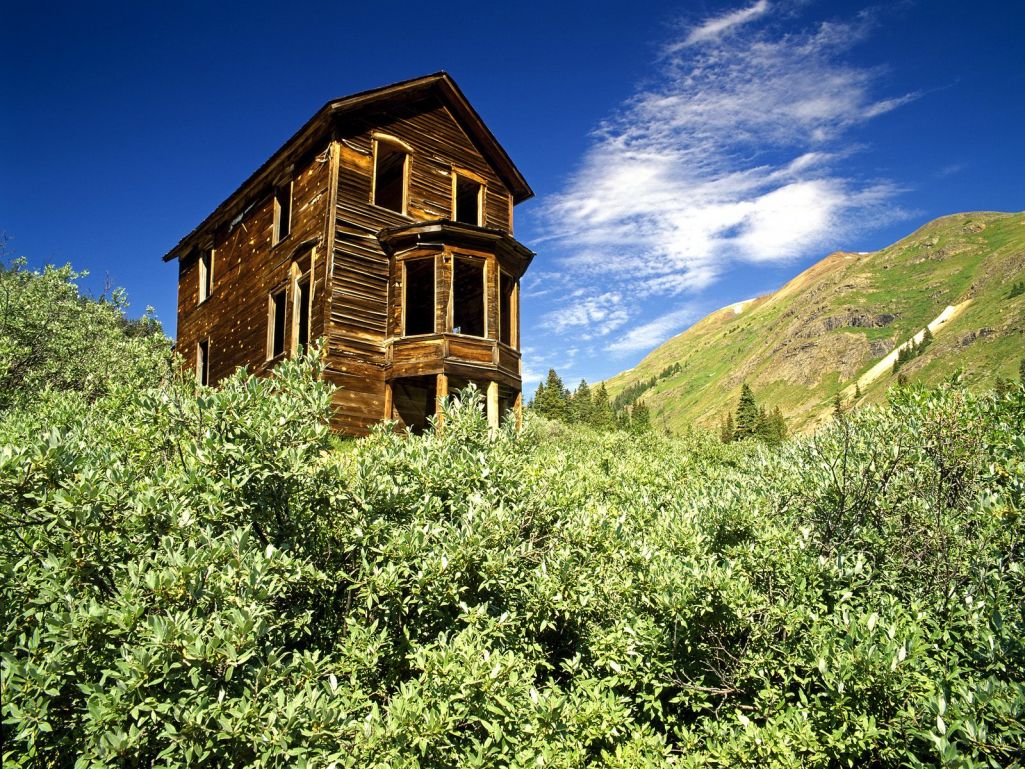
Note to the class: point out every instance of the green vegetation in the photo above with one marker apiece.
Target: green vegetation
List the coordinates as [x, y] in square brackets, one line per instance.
[53, 336]
[817, 335]
[197, 577]
[910, 351]
[587, 407]
[753, 421]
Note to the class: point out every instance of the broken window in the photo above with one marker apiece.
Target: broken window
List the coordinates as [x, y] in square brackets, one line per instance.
[301, 316]
[467, 200]
[282, 211]
[275, 324]
[419, 296]
[203, 362]
[206, 274]
[468, 296]
[390, 176]
[505, 308]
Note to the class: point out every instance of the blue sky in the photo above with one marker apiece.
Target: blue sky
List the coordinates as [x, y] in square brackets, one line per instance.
[685, 155]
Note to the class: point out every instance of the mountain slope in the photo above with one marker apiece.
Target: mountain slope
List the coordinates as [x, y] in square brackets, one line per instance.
[836, 323]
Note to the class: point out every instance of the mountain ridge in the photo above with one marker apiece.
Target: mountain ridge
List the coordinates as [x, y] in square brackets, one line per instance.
[831, 324]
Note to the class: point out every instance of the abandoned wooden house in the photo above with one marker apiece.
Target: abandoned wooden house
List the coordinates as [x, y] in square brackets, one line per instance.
[384, 227]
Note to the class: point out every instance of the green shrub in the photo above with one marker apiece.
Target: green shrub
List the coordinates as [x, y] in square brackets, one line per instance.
[197, 577]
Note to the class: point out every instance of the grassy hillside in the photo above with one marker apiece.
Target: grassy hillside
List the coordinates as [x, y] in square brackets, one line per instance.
[831, 324]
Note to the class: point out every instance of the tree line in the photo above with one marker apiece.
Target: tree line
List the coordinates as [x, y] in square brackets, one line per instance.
[587, 406]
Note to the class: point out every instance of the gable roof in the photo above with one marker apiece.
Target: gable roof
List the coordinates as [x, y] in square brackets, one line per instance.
[439, 83]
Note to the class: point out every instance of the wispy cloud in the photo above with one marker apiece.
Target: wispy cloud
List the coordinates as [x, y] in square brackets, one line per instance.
[715, 27]
[649, 334]
[734, 154]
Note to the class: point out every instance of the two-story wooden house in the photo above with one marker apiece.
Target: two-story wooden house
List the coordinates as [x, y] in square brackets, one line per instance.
[384, 226]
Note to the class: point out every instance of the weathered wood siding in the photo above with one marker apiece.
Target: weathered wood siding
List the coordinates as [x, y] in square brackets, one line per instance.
[246, 269]
[359, 322]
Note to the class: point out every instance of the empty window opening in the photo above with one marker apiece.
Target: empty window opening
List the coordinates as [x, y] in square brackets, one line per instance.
[468, 297]
[206, 274]
[203, 362]
[276, 324]
[282, 211]
[505, 308]
[390, 177]
[302, 313]
[419, 297]
[467, 200]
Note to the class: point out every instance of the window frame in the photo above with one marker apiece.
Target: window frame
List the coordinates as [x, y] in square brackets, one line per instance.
[451, 314]
[277, 235]
[434, 303]
[482, 184]
[281, 291]
[203, 362]
[377, 139]
[298, 278]
[514, 310]
[206, 273]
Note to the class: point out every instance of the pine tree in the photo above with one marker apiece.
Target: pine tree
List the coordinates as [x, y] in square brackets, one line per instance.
[838, 407]
[777, 426]
[602, 417]
[746, 423]
[580, 404]
[857, 391]
[539, 397]
[726, 430]
[552, 400]
[640, 418]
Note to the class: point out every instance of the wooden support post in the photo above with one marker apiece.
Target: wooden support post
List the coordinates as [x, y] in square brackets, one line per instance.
[440, 391]
[388, 396]
[518, 410]
[493, 405]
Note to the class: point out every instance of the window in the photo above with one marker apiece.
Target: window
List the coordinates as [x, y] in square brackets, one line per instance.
[301, 313]
[203, 362]
[282, 211]
[506, 319]
[468, 296]
[467, 199]
[391, 171]
[418, 296]
[206, 274]
[275, 324]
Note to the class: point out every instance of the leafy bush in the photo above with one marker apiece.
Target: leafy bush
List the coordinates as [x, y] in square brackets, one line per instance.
[204, 577]
[51, 335]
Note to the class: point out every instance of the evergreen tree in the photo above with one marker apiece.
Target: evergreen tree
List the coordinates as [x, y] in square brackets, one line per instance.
[926, 338]
[640, 418]
[581, 405]
[857, 391]
[539, 397]
[552, 399]
[776, 431]
[746, 422]
[726, 431]
[602, 417]
[838, 407]
[1021, 371]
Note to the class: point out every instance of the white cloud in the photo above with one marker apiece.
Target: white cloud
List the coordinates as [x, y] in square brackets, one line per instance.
[733, 154]
[648, 335]
[715, 27]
